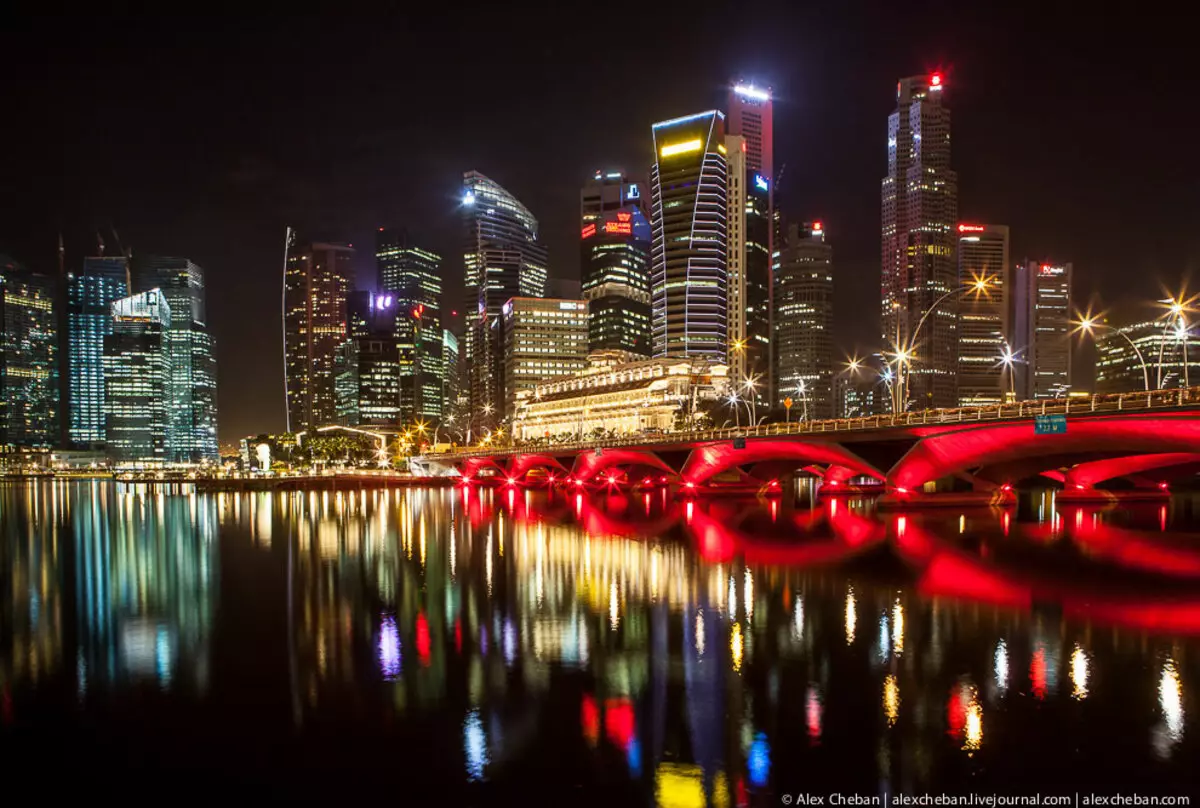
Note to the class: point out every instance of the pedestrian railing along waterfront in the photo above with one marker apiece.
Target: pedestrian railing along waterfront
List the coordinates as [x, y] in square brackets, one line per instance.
[1111, 403]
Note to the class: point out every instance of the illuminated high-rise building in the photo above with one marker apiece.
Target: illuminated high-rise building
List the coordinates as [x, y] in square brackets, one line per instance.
[984, 328]
[751, 117]
[91, 292]
[193, 404]
[920, 216]
[1154, 352]
[374, 364]
[544, 338]
[139, 380]
[503, 259]
[689, 255]
[412, 277]
[450, 359]
[316, 280]
[803, 320]
[1042, 329]
[29, 380]
[615, 245]
[749, 261]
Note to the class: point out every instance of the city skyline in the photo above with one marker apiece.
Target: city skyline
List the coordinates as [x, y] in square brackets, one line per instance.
[814, 111]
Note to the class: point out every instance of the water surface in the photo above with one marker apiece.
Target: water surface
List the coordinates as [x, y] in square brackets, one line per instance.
[484, 646]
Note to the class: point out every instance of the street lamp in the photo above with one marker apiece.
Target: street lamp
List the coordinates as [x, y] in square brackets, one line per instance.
[1008, 361]
[802, 390]
[904, 354]
[1088, 324]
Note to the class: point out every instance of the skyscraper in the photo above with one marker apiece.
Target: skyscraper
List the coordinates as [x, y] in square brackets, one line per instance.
[544, 338]
[412, 277]
[1042, 327]
[373, 365]
[751, 117]
[503, 259]
[984, 327]
[315, 281]
[450, 385]
[920, 214]
[615, 245]
[689, 258]
[803, 320]
[1155, 352]
[91, 292]
[138, 380]
[748, 219]
[29, 354]
[193, 406]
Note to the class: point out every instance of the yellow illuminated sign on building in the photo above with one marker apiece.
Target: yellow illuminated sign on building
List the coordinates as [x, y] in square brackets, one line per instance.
[681, 148]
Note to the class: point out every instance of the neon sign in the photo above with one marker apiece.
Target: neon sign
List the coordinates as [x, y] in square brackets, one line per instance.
[622, 228]
[971, 228]
[682, 148]
[633, 192]
[588, 231]
[760, 181]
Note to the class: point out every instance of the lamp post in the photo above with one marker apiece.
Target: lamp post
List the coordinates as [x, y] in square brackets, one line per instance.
[905, 354]
[1089, 324]
[1008, 361]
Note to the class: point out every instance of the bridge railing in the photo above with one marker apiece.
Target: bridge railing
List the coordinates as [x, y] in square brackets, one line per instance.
[1114, 402]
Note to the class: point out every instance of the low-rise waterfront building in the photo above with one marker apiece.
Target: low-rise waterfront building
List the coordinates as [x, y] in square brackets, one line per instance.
[647, 397]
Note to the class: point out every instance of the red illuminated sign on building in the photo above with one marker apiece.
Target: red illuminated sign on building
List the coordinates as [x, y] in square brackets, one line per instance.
[971, 228]
[622, 226]
[588, 231]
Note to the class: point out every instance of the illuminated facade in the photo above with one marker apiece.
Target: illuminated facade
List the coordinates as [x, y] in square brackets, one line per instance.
[920, 217]
[90, 294]
[139, 380]
[316, 280]
[543, 338]
[984, 330]
[803, 320]
[413, 277]
[751, 120]
[450, 360]
[374, 364]
[652, 395]
[689, 255]
[615, 245]
[29, 380]
[193, 404]
[503, 259]
[1166, 352]
[1042, 326]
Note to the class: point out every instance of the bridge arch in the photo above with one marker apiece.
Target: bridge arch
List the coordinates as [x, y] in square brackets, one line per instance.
[1092, 473]
[707, 461]
[522, 464]
[589, 465]
[473, 465]
[948, 453]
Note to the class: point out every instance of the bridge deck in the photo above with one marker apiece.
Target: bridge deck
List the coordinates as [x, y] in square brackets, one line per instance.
[872, 427]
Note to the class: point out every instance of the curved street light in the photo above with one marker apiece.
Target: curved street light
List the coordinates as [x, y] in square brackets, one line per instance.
[1089, 324]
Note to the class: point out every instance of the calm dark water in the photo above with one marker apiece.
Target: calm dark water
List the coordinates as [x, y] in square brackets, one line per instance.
[450, 647]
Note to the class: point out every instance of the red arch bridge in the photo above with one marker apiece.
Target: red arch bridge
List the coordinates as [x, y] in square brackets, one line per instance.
[1133, 443]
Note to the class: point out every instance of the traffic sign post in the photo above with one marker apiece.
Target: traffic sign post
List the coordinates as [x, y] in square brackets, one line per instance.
[1049, 424]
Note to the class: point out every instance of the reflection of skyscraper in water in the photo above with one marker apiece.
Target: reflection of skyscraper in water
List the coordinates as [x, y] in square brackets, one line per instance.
[31, 608]
[146, 583]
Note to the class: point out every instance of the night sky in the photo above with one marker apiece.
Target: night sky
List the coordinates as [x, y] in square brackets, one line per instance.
[205, 138]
